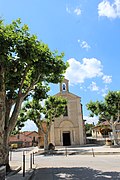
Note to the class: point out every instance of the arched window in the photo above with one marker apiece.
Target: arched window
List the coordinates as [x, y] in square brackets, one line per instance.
[64, 87]
[66, 111]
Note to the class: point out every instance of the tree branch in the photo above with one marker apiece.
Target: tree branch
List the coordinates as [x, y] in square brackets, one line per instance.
[24, 76]
[31, 86]
[40, 126]
[13, 118]
[9, 104]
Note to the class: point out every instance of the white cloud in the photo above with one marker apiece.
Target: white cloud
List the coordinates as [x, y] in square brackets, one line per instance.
[68, 10]
[82, 87]
[77, 11]
[89, 68]
[93, 87]
[29, 126]
[91, 120]
[77, 72]
[104, 91]
[85, 45]
[107, 79]
[109, 10]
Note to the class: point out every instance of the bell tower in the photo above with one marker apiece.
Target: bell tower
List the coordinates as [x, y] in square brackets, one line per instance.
[64, 86]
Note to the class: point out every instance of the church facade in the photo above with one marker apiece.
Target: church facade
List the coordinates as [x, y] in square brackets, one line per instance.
[68, 129]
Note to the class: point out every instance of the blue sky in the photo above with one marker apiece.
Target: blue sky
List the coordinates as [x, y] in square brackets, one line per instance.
[88, 32]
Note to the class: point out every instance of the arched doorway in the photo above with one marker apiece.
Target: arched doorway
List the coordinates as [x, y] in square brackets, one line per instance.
[66, 139]
[66, 135]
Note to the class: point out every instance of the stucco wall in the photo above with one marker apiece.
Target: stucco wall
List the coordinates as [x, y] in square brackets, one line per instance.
[72, 123]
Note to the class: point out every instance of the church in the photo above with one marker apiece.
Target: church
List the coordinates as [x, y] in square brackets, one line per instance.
[68, 129]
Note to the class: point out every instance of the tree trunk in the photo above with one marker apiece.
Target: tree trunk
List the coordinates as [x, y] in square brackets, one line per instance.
[14, 116]
[2, 125]
[113, 124]
[4, 150]
[46, 142]
[5, 126]
[114, 133]
[2, 114]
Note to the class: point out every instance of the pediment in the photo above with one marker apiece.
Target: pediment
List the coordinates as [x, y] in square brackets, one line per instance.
[68, 95]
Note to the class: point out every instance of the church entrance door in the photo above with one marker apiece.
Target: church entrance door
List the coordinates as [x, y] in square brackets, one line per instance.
[66, 139]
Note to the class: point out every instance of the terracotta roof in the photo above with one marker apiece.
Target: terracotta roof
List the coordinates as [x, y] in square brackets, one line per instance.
[103, 123]
[26, 133]
[22, 136]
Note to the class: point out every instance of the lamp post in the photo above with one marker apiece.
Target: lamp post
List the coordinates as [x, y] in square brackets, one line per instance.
[118, 118]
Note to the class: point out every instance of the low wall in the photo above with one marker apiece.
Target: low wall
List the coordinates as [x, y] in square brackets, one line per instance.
[95, 141]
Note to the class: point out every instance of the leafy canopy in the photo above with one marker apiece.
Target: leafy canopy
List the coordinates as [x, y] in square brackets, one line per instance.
[27, 61]
[28, 66]
[106, 109]
[33, 110]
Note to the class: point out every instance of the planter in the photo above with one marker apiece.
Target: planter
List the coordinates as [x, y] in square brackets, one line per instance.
[108, 142]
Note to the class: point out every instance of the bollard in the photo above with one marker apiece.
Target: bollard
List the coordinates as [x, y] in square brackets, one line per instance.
[66, 151]
[93, 152]
[30, 161]
[10, 154]
[23, 164]
[33, 158]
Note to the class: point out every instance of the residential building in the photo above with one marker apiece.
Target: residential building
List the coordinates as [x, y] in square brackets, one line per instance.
[103, 131]
[24, 139]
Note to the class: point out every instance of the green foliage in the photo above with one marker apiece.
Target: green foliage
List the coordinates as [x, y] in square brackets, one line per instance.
[26, 59]
[33, 110]
[89, 126]
[107, 108]
[88, 129]
[54, 107]
[29, 65]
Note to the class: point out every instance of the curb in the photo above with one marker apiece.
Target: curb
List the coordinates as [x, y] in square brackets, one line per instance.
[81, 153]
[15, 171]
[30, 173]
[15, 175]
[95, 153]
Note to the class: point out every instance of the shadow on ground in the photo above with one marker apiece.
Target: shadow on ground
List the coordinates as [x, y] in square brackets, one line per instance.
[64, 152]
[75, 173]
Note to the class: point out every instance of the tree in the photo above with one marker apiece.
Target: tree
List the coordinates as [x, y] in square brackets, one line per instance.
[107, 110]
[53, 108]
[26, 66]
[88, 129]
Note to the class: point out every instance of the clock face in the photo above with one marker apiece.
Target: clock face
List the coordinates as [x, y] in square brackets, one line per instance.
[64, 87]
